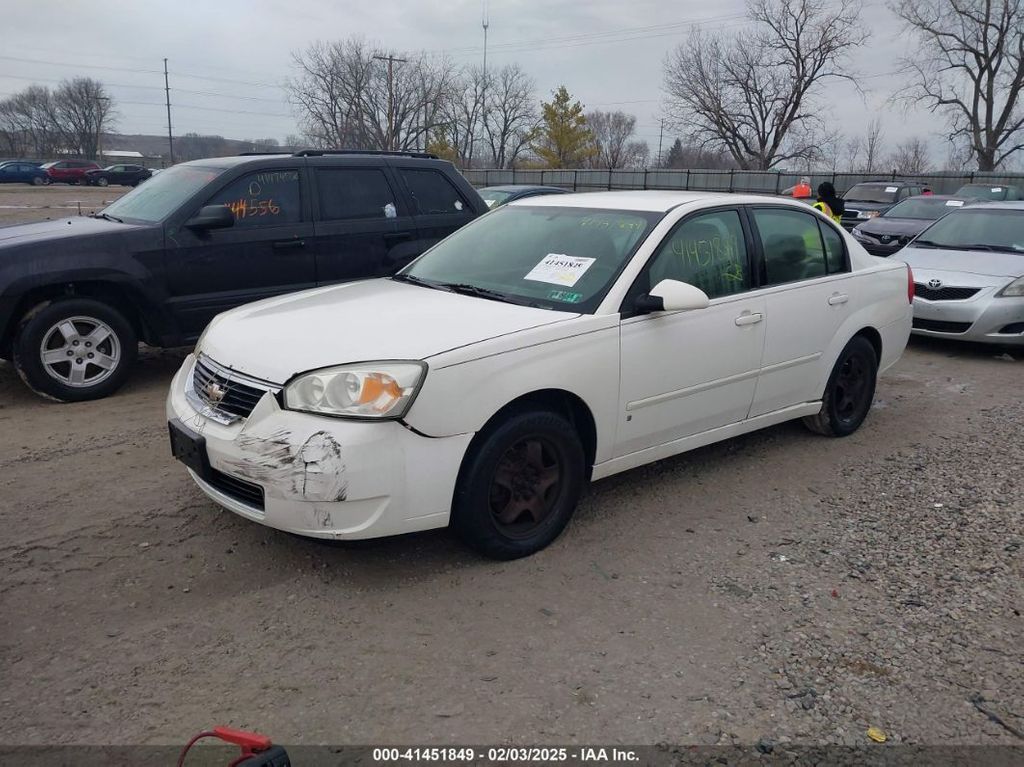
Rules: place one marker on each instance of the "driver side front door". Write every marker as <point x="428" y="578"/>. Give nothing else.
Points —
<point x="683" y="373"/>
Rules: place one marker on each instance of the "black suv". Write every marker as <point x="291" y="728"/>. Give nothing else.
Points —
<point x="868" y="199"/>
<point x="76" y="295"/>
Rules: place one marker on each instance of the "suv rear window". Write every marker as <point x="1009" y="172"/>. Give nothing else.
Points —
<point x="432" y="192"/>
<point x="354" y="193"/>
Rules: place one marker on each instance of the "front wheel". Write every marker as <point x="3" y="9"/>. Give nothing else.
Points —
<point x="37" y="181"/>
<point x="101" y="181"/>
<point x="75" y="349"/>
<point x="520" y="485"/>
<point x="849" y="392"/>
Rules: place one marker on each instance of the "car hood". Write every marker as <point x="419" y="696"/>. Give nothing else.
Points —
<point x="20" y="234"/>
<point x="900" y="227"/>
<point x="276" y="338"/>
<point x="970" y="263"/>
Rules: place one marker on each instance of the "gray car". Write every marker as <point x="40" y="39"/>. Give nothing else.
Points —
<point x="969" y="275"/>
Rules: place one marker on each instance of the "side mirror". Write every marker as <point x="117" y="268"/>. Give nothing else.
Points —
<point x="212" y="217"/>
<point x="672" y="296"/>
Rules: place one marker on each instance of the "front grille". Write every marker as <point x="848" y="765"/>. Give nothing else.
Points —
<point x="239" y="489"/>
<point x="239" y="398"/>
<point x="943" y="293"/>
<point x="941" y="326"/>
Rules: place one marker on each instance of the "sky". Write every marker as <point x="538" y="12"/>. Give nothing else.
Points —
<point x="228" y="59"/>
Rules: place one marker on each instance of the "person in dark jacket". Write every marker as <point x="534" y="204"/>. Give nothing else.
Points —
<point x="829" y="202"/>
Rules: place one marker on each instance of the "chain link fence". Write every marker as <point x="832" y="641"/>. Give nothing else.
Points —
<point x="756" y="182"/>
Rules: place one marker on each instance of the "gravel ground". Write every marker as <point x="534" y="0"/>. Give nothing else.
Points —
<point x="779" y="588"/>
<point x="23" y="203"/>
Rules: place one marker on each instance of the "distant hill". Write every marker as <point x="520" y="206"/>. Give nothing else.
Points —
<point x="191" y="146"/>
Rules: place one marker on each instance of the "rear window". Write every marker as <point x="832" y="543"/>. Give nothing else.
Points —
<point x="354" y="193"/>
<point x="872" y="193"/>
<point x="433" y="193"/>
<point x="923" y="208"/>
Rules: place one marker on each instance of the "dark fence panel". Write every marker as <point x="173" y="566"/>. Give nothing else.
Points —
<point x="755" y="182"/>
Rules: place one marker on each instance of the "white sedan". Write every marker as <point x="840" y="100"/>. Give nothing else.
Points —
<point x="551" y="342"/>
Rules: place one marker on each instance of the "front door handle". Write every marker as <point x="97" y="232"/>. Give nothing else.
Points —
<point x="749" y="319"/>
<point x="838" y="298"/>
<point x="289" y="244"/>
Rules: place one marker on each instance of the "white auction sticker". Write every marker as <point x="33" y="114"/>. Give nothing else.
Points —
<point x="560" y="269"/>
<point x="955" y="203"/>
<point x="891" y="189"/>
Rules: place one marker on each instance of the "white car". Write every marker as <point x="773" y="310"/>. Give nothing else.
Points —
<point x="550" y="342"/>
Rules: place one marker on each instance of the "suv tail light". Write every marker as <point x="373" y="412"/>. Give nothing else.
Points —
<point x="910" y="285"/>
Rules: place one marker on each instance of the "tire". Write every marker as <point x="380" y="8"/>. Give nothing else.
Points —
<point x="540" y="455"/>
<point x="849" y="392"/>
<point x="46" y="181"/>
<point x="81" y="326"/>
<point x="37" y="181"/>
<point x="101" y="181"/>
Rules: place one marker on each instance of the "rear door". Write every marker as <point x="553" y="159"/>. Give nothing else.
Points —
<point x="264" y="254"/>
<point x="809" y="292"/>
<point x="438" y="207"/>
<point x="362" y="227"/>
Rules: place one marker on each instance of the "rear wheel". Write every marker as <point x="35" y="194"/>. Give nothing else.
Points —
<point x="101" y="181"/>
<point x="520" y="485"/>
<point x="849" y="392"/>
<point x="37" y="181"/>
<point x="75" y="349"/>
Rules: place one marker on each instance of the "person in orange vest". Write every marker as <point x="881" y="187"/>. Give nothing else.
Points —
<point x="829" y="202"/>
<point x="803" y="189"/>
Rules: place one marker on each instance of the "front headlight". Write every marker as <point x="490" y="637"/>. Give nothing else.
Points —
<point x="1014" y="289"/>
<point x="858" y="233"/>
<point x="867" y="214"/>
<point x="362" y="390"/>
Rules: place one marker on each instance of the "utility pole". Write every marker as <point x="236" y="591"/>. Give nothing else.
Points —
<point x="391" y="98"/>
<point x="661" y="136"/>
<point x="170" y="133"/>
<point x="484" y="22"/>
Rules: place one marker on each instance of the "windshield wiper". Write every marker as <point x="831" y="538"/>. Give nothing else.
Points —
<point x="466" y="289"/>
<point x="412" y="280"/>
<point x="106" y="216"/>
<point x="929" y="244"/>
<point x="992" y="248"/>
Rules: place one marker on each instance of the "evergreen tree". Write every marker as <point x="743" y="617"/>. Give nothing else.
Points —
<point x="564" y="140"/>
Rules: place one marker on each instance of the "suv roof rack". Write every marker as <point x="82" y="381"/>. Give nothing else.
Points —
<point x="280" y="152"/>
<point x="321" y="152"/>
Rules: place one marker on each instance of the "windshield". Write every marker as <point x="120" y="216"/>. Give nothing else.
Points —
<point x="493" y="197"/>
<point x="554" y="257"/>
<point x="871" y="193"/>
<point x="976" y="229"/>
<point x="163" y="194"/>
<point x="982" y="192"/>
<point x="924" y="208"/>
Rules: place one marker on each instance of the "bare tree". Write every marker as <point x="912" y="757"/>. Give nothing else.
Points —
<point x="873" y="146"/>
<point x="613" y="140"/>
<point x="910" y="157"/>
<point x="691" y="155"/>
<point x="193" y="146"/>
<point x="29" y="124"/>
<point x="83" y="111"/>
<point x="970" y="66"/>
<point x="511" y="119"/>
<point x="345" y="97"/>
<point x="463" y="115"/>
<point x="754" y="94"/>
<point x="854" y="148"/>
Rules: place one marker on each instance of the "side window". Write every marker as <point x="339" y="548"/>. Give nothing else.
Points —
<point x="354" y="193"/>
<point x="432" y="192"/>
<point x="835" y="254"/>
<point x="264" y="198"/>
<point x="792" y="244"/>
<point x="708" y="251"/>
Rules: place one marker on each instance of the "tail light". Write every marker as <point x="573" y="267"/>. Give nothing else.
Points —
<point x="910" y="285"/>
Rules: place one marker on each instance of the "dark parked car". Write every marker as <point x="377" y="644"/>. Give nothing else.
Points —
<point x="76" y="295"/>
<point x="872" y="198"/>
<point x="16" y="172"/>
<point x="68" y="171"/>
<point x="884" y="234"/>
<point x="996" y="192"/>
<point x="499" y="195"/>
<point x="124" y="175"/>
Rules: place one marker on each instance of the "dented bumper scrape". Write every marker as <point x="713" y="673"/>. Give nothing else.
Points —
<point x="326" y="477"/>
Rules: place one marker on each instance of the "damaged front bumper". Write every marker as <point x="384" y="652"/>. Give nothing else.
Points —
<point x="318" y="476"/>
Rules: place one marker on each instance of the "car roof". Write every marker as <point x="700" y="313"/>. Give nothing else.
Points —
<point x="998" y="205"/>
<point x="650" y="201"/>
<point x="233" y="161"/>
<point x="521" y="188"/>
<point x="888" y="183"/>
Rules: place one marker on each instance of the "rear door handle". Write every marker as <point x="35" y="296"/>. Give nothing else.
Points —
<point x="838" y="298"/>
<point x="749" y="319"/>
<point x="289" y="244"/>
